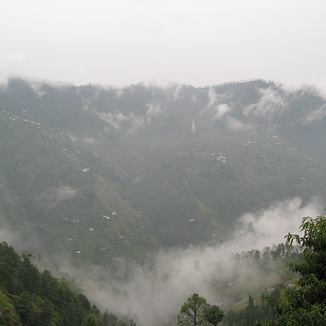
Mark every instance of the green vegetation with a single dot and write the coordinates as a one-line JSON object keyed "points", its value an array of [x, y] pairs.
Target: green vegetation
{"points": [[214, 314], [96, 173], [296, 304], [30, 297], [197, 312], [307, 304]]}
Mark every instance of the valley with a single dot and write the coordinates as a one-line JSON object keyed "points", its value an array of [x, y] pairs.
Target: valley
{"points": [[135, 187]]}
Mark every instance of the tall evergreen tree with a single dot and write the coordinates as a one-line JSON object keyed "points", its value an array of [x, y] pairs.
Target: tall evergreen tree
{"points": [[193, 311]]}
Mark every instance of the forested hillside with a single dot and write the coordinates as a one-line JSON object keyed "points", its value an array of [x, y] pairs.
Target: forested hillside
{"points": [[97, 173], [31, 297]]}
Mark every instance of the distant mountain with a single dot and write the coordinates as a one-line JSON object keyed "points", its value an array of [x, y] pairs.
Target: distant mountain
{"points": [[98, 172]]}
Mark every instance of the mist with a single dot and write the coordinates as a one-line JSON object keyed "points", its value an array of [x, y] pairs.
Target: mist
{"points": [[50, 197], [152, 293]]}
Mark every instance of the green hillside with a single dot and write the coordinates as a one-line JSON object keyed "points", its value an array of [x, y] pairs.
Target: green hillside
{"points": [[96, 173], [31, 297], [72, 201]]}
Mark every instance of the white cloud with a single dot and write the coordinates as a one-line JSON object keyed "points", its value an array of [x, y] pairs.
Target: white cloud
{"points": [[117, 120], [153, 110], [119, 93], [155, 292], [270, 102], [50, 197], [320, 87], [273, 223], [8, 236], [318, 114], [221, 110], [212, 97], [235, 124], [291, 87], [177, 91]]}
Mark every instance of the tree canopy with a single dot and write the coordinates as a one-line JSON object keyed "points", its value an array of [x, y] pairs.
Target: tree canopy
{"points": [[196, 312], [307, 304], [214, 314], [32, 298]]}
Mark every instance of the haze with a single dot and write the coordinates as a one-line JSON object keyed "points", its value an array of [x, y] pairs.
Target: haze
{"points": [[154, 293], [192, 42]]}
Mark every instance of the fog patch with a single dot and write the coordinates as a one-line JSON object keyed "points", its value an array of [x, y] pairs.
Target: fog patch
{"points": [[7, 236], [221, 110], [236, 125], [215, 105], [37, 88], [272, 224], [292, 87], [318, 87], [118, 120], [50, 197], [270, 103], [21, 241], [71, 137], [90, 141], [153, 293], [154, 110], [119, 93], [212, 97], [193, 126], [176, 92], [318, 114]]}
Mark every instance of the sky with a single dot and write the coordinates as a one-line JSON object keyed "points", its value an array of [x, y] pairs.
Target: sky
{"points": [[196, 42]]}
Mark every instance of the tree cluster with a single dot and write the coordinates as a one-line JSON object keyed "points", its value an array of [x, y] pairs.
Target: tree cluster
{"points": [[32, 298], [307, 304], [304, 304]]}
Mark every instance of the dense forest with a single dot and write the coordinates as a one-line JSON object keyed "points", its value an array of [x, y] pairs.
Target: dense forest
{"points": [[30, 297]]}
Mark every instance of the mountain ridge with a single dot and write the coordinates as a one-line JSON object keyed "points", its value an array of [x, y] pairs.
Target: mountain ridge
{"points": [[170, 166]]}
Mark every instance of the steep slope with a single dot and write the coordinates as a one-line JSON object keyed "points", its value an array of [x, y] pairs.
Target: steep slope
{"points": [[70, 200], [31, 297], [101, 172]]}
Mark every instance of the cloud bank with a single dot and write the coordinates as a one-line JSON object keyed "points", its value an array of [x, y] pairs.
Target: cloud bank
{"points": [[153, 293]]}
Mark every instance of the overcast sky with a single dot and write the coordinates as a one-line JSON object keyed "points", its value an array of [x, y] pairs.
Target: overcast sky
{"points": [[197, 42]]}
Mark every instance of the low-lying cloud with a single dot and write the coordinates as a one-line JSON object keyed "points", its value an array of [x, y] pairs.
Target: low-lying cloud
{"points": [[235, 124], [50, 197], [153, 110], [270, 103], [221, 110], [272, 224], [318, 114], [118, 120], [153, 293]]}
